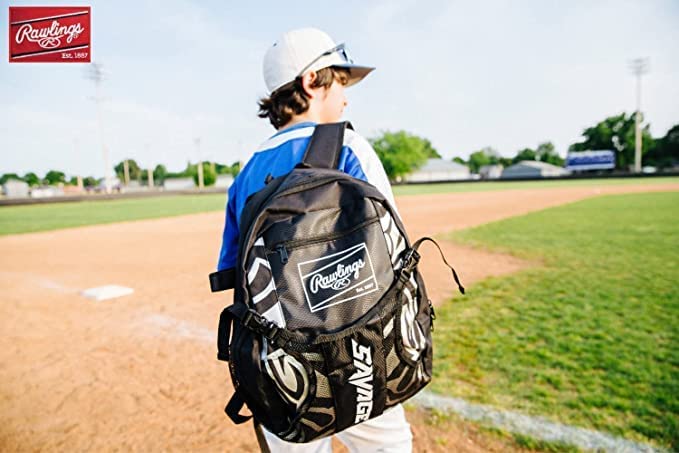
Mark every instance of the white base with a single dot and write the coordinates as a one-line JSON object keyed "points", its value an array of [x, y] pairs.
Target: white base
{"points": [[107, 292]]}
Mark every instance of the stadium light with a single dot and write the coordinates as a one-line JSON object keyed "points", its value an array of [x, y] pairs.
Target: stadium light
{"points": [[639, 67], [96, 73]]}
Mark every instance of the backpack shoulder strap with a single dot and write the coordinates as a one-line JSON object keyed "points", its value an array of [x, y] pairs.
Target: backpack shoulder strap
{"points": [[325, 145], [223, 280]]}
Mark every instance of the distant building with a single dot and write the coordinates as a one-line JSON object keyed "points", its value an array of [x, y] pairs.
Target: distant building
{"points": [[590, 160], [224, 181], [70, 190], [14, 188], [439, 170], [179, 184], [532, 169], [490, 171], [46, 192]]}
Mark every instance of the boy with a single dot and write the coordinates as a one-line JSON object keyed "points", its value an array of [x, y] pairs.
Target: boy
{"points": [[306, 73]]}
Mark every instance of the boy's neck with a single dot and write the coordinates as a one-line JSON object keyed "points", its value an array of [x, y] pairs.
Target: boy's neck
{"points": [[306, 117]]}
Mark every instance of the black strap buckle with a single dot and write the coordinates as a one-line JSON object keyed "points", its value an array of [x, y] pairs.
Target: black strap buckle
{"points": [[253, 320], [257, 323], [410, 260]]}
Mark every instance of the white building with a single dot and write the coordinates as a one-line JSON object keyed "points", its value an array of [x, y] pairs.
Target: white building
{"points": [[179, 184], [224, 181], [439, 170], [533, 169], [14, 188], [490, 171], [47, 192]]}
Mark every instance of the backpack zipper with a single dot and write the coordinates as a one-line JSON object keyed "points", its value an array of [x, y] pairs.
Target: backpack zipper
{"points": [[282, 248]]}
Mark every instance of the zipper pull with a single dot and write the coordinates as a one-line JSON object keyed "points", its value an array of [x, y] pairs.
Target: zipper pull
{"points": [[282, 253]]}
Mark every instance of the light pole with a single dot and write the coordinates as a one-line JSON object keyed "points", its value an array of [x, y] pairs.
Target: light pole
{"points": [[149, 170], [97, 74], [639, 67], [200, 164]]}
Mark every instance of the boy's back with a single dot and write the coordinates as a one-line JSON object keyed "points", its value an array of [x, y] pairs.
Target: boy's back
{"points": [[276, 157], [306, 73]]}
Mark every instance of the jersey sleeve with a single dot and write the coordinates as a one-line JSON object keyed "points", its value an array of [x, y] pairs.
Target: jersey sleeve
{"points": [[228, 255], [360, 160]]}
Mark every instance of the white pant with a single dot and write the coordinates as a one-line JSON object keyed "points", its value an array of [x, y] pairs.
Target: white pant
{"points": [[389, 433]]}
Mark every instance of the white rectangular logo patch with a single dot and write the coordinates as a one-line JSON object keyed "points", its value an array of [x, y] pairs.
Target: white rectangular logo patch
{"points": [[338, 278]]}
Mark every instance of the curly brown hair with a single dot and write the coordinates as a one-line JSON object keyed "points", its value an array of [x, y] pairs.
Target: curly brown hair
{"points": [[291, 99]]}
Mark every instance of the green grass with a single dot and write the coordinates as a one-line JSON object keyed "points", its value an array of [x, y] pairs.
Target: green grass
{"points": [[589, 337], [482, 186], [42, 217]]}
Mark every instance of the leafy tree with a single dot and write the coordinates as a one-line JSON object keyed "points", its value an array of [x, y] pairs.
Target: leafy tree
{"points": [[430, 151], [190, 170], [617, 134], [459, 160], [89, 181], [31, 179], [232, 169], [54, 177], [666, 152], [484, 156], [209, 174], [524, 154], [504, 161], [478, 159], [159, 174], [133, 167], [547, 153], [7, 176], [401, 152]]}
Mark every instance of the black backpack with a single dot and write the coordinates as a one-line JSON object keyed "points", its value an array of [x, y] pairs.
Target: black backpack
{"points": [[330, 323]]}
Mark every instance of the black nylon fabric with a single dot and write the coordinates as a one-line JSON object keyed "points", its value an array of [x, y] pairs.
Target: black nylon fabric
{"points": [[331, 282], [319, 258]]}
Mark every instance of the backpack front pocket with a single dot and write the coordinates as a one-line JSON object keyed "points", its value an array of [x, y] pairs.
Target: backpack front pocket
{"points": [[327, 283]]}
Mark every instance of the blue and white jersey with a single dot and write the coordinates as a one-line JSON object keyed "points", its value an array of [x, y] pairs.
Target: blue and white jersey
{"points": [[278, 156]]}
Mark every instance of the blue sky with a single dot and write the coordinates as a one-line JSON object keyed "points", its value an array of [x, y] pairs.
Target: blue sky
{"points": [[464, 74]]}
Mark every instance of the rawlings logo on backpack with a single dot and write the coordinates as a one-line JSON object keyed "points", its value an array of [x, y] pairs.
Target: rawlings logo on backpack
{"points": [[338, 277], [318, 291]]}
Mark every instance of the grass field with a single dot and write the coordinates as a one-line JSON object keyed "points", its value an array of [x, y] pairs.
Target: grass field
{"points": [[589, 337], [482, 186], [43, 217]]}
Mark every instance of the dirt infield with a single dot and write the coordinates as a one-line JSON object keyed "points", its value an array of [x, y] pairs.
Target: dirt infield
{"points": [[139, 372]]}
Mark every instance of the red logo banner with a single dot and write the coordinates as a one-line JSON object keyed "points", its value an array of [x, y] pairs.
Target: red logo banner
{"points": [[39, 34]]}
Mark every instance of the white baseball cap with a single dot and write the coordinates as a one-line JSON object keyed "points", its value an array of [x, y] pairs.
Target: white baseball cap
{"points": [[303, 50]]}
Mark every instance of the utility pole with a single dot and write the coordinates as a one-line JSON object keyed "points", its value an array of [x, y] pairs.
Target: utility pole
{"points": [[200, 164], [149, 170], [126, 172], [79, 178], [97, 75], [639, 67]]}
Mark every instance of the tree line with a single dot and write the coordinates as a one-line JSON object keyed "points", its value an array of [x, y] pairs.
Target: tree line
{"points": [[210, 172], [402, 153], [136, 173]]}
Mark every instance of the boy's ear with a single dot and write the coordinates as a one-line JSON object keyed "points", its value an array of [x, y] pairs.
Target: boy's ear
{"points": [[307, 83]]}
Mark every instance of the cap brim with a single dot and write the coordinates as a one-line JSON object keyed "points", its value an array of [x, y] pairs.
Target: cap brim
{"points": [[356, 73]]}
